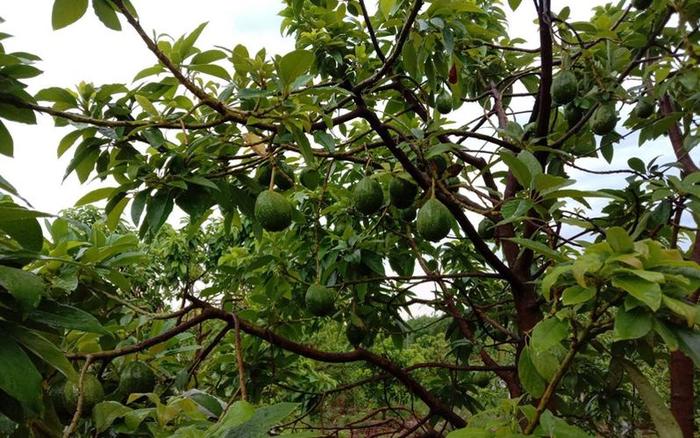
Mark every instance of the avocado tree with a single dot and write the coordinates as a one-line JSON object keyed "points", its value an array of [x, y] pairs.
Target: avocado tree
{"points": [[406, 153]]}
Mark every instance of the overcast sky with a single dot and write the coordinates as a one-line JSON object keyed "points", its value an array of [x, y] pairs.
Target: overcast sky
{"points": [[89, 51]]}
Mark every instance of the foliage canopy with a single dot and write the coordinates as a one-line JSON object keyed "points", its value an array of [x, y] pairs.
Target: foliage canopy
{"points": [[407, 155]]}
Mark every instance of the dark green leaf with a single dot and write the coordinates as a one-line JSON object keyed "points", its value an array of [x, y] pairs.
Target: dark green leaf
{"points": [[26, 288], [67, 317], [18, 376], [6, 144], [45, 349]]}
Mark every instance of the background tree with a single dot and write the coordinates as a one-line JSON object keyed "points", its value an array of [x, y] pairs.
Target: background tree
{"points": [[408, 154]]}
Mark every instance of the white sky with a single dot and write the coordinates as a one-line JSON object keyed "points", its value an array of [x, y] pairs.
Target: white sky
{"points": [[88, 51]]}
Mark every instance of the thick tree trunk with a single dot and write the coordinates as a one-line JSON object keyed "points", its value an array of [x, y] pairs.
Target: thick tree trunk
{"points": [[682, 367], [682, 406]]}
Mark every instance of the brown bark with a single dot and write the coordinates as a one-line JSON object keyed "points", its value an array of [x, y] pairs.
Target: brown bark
{"points": [[682, 397], [682, 367]]}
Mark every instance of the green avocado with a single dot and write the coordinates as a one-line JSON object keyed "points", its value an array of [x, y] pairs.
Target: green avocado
{"points": [[355, 334], [55, 394], [320, 300], [402, 192], [136, 377], [443, 103], [284, 175], [644, 109], [453, 182], [486, 229], [641, 4], [273, 211], [564, 88], [93, 393], [604, 119], [439, 162], [573, 114], [310, 178], [407, 214], [368, 196], [434, 220]]}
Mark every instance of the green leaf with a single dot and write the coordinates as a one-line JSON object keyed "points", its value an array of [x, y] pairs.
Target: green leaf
{"points": [[17, 114], [636, 164], [137, 206], [520, 170], [26, 231], [58, 95], [645, 291], [294, 64], [211, 69], [529, 377], [106, 413], [666, 425], [682, 309], [470, 432], [576, 295], [201, 181], [632, 324], [386, 6], [208, 56], [551, 278], [106, 13], [25, 287], [533, 165], [19, 377], [6, 143], [45, 349], [95, 195], [67, 141], [539, 248], [668, 336], [66, 12], [67, 317], [147, 105], [689, 343], [13, 213], [188, 42], [115, 214], [157, 211], [619, 240], [514, 4], [548, 333], [238, 413], [557, 428], [264, 419]]}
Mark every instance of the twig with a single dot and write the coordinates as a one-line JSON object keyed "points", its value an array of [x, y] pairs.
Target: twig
{"points": [[81, 396]]}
